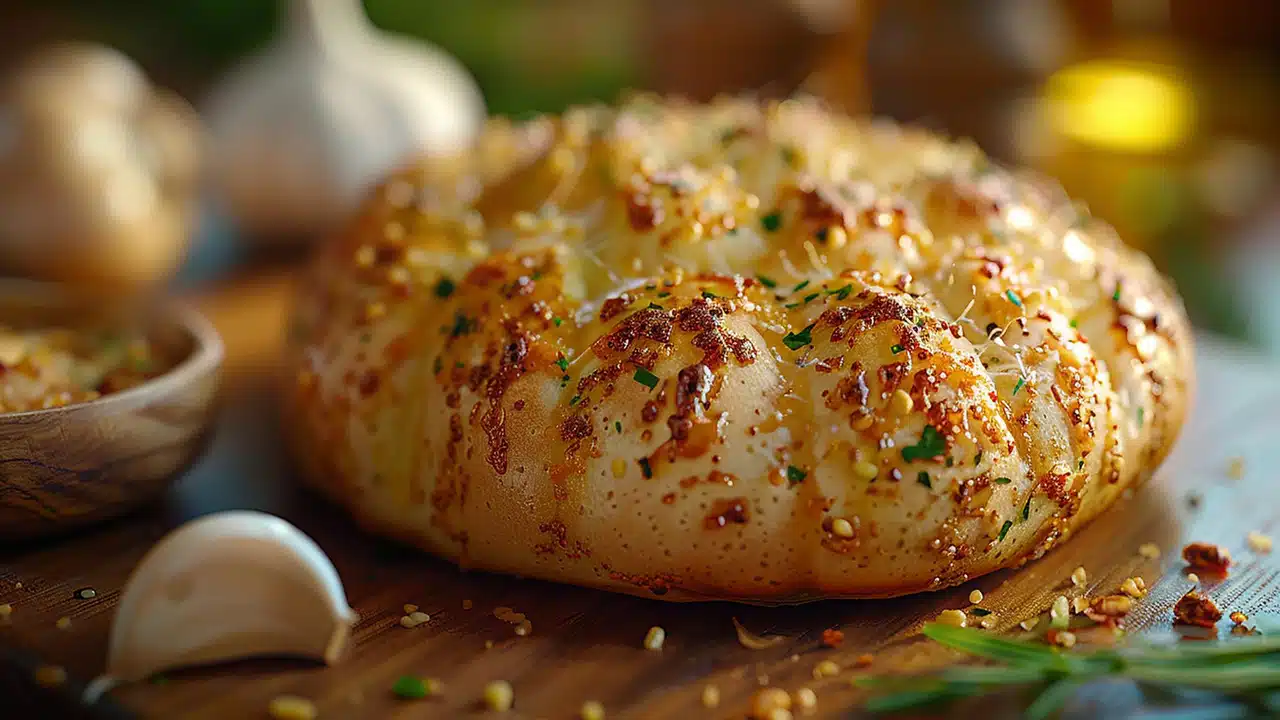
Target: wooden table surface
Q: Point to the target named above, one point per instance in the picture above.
(586, 645)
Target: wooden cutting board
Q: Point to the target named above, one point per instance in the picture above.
(587, 645)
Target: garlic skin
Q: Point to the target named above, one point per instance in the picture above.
(228, 586)
(300, 132)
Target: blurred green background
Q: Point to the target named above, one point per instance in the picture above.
(525, 55)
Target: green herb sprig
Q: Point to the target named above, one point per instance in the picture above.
(1237, 667)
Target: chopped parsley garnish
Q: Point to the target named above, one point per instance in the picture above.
(931, 445)
(1080, 465)
(767, 281)
(821, 234)
(1013, 297)
(979, 612)
(795, 341)
(556, 321)
(1004, 529)
(923, 479)
(655, 306)
(895, 348)
(410, 688)
(438, 365)
(772, 221)
(1018, 385)
(645, 469)
(575, 400)
(950, 461)
(709, 295)
(800, 287)
(841, 293)
(1003, 481)
(1075, 322)
(977, 459)
(617, 425)
(444, 288)
(810, 298)
(1026, 509)
(795, 475)
(664, 294)
(461, 325)
(563, 364)
(646, 378)
(1116, 295)
(1142, 414)
(789, 155)
(791, 306)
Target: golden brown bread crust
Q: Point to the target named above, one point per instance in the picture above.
(731, 351)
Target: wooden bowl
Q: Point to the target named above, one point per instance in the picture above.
(70, 466)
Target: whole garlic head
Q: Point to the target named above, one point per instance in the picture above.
(223, 587)
(301, 131)
(98, 171)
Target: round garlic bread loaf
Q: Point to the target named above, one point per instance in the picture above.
(731, 351)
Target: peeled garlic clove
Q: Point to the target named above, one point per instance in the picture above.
(228, 586)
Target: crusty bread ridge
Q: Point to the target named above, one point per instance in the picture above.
(750, 351)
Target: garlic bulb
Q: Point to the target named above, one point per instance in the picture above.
(301, 131)
(98, 171)
(227, 586)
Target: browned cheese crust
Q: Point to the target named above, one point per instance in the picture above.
(759, 352)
